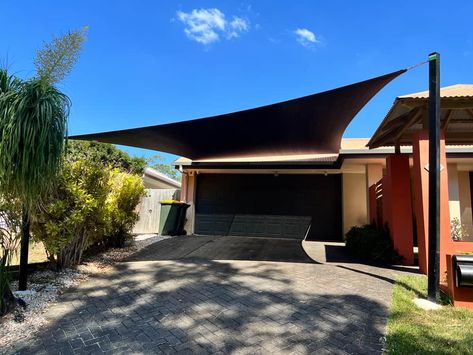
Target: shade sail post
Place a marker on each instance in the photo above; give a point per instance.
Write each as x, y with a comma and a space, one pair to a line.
434, 177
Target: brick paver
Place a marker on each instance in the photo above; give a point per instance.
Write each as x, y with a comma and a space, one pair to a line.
196, 305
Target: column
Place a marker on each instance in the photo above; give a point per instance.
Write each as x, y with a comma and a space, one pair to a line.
397, 189
420, 145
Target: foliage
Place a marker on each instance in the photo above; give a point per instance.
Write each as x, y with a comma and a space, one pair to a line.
73, 213
10, 225
371, 243
56, 59
105, 154
32, 130
412, 330
157, 162
10, 217
458, 230
33, 124
92, 204
125, 194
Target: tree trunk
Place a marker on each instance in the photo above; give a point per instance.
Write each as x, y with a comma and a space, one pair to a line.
7, 300
71, 255
25, 242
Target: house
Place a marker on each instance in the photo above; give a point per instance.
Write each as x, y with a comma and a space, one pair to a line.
284, 171
153, 179
332, 190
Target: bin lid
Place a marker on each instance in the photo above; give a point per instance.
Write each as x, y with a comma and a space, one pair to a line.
171, 202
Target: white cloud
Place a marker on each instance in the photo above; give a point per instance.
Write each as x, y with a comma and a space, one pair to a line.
237, 26
306, 37
206, 26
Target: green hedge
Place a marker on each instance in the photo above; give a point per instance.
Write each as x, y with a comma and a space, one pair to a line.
371, 243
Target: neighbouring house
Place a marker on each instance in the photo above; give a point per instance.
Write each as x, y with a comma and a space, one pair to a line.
153, 179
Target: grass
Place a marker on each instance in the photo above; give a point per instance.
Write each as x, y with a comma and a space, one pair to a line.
414, 331
37, 254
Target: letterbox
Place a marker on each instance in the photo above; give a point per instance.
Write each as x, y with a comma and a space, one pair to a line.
463, 266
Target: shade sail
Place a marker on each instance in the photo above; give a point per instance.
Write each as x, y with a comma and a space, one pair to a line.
312, 124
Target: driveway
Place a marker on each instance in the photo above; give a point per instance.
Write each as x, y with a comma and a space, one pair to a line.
176, 296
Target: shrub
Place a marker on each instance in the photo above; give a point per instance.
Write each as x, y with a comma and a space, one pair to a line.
91, 205
458, 230
120, 207
72, 215
10, 221
371, 243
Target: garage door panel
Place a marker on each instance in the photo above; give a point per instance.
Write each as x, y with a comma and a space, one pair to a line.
269, 226
212, 224
268, 205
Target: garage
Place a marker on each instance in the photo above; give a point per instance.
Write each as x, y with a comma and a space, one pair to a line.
269, 205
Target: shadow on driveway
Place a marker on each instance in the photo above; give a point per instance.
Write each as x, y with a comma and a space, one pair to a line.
220, 295
217, 307
225, 248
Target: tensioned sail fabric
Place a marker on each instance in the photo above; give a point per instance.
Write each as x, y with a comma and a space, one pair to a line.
311, 124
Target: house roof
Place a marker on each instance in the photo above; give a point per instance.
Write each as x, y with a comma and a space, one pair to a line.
350, 147
409, 114
458, 90
156, 175
347, 144
310, 125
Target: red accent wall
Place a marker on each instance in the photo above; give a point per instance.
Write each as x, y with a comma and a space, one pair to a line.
397, 205
420, 143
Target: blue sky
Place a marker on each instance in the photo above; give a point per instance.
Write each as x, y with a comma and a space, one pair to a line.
151, 62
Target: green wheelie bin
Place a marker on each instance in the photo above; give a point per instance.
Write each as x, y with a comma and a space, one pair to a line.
173, 217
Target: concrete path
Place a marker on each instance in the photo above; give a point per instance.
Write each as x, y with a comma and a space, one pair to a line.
196, 304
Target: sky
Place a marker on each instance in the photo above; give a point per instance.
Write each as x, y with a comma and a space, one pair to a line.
152, 62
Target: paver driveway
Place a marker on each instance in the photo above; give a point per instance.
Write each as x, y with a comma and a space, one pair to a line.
193, 304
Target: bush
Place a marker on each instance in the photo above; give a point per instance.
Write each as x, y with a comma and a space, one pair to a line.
120, 215
458, 230
91, 205
72, 215
10, 221
372, 243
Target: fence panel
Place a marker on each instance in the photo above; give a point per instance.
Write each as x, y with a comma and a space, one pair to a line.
149, 209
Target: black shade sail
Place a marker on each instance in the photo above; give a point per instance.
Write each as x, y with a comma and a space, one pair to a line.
312, 124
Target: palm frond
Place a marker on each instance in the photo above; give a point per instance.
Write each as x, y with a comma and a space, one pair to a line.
32, 129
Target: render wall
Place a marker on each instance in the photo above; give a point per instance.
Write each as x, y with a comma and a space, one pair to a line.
465, 203
355, 204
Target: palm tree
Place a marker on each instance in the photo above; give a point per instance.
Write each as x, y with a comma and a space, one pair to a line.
33, 124
32, 132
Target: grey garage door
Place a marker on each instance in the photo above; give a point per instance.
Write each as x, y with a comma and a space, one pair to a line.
282, 206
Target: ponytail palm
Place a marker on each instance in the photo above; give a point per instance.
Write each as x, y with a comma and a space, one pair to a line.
33, 118
32, 130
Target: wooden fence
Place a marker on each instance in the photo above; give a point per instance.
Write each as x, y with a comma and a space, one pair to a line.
149, 209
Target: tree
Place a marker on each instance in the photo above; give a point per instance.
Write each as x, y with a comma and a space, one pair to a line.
33, 124
105, 154
157, 162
